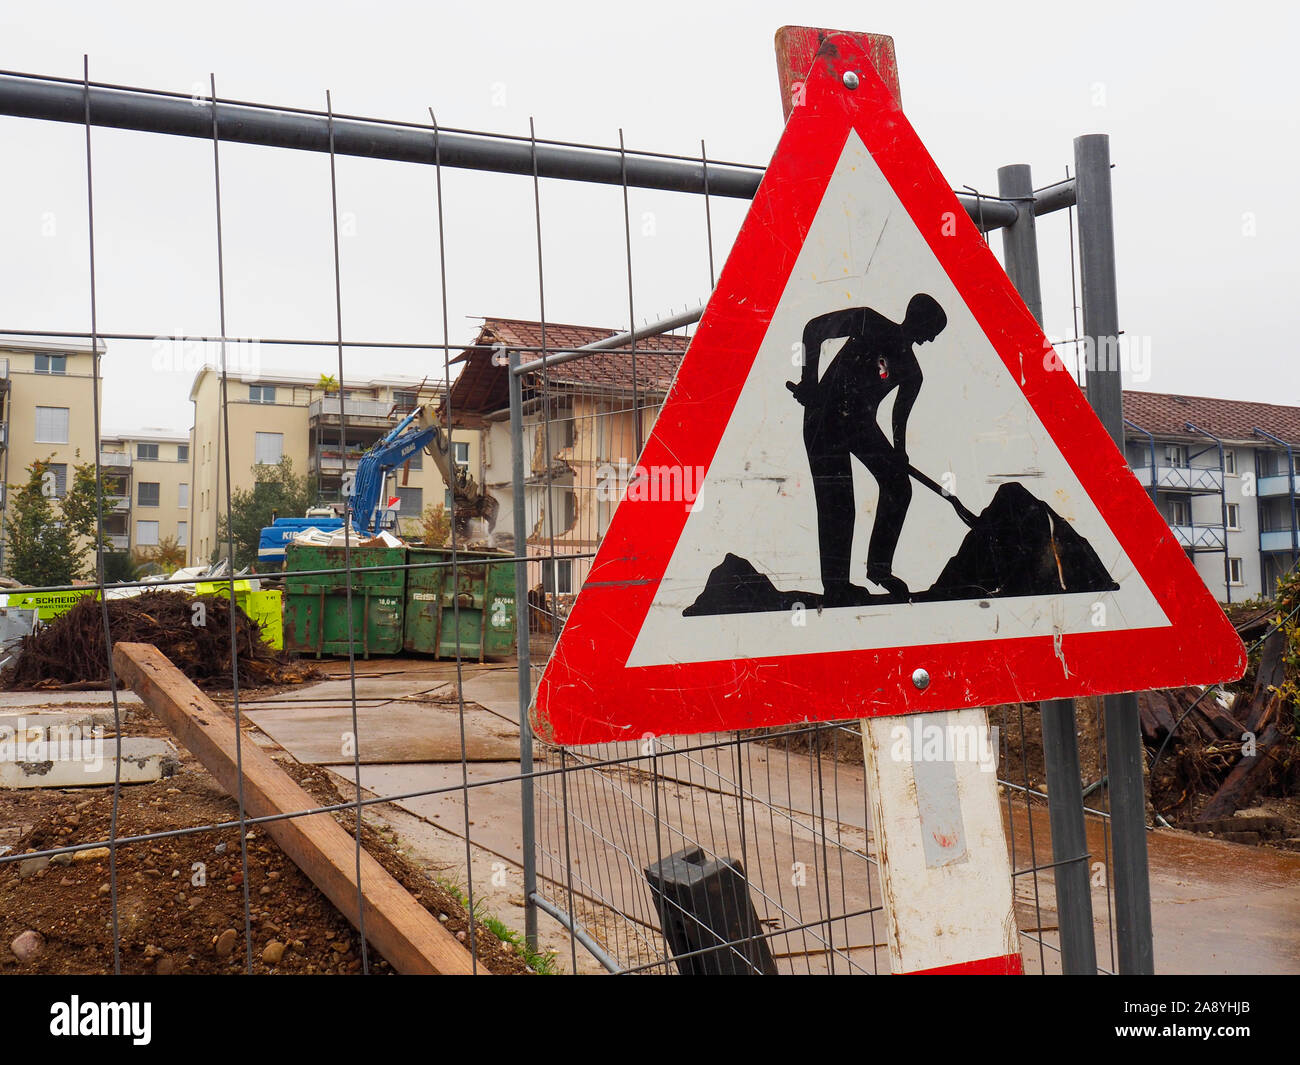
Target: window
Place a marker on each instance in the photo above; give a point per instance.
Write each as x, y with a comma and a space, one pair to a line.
557, 575
460, 452
404, 401
60, 472
51, 364
1179, 512
51, 425
148, 494
261, 393
1230, 461
1234, 515
268, 448
1234, 571
146, 452
183, 533
412, 502
146, 533
1175, 455
182, 452
183, 496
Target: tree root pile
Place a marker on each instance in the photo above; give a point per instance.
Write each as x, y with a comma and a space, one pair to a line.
193, 631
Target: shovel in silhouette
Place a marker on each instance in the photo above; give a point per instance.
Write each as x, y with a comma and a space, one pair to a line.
962, 512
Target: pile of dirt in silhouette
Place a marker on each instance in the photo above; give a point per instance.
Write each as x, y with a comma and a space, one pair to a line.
1017, 546
736, 587
1020, 546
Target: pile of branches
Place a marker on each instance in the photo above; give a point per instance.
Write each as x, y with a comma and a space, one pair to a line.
1214, 759
192, 631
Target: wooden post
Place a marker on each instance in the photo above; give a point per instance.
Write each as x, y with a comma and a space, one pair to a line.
410, 938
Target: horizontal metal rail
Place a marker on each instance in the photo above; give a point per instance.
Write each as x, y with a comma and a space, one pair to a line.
58, 100
663, 325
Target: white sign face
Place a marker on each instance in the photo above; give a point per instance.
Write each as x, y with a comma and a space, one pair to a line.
970, 432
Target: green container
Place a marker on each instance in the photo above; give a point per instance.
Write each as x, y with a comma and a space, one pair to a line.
316, 605
263, 608
475, 608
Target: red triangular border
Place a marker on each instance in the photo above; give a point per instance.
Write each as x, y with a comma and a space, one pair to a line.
588, 694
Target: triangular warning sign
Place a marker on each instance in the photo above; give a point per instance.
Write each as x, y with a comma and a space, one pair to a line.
870, 464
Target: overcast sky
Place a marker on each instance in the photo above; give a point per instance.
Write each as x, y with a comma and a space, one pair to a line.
1199, 101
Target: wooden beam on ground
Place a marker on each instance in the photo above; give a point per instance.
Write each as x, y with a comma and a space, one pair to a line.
404, 932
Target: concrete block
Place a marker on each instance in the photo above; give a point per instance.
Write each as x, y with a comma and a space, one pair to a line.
88, 763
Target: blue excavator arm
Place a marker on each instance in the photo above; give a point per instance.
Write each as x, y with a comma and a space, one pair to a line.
365, 502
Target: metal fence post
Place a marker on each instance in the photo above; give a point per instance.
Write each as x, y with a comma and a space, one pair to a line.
1124, 753
1060, 732
524, 664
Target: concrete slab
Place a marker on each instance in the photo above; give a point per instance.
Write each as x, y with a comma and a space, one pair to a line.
397, 732
397, 686
64, 699
90, 762
38, 721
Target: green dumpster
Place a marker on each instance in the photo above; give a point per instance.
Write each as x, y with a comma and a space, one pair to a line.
475, 609
316, 604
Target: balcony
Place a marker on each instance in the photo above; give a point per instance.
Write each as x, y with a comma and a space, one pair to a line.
327, 461
1199, 537
117, 504
1276, 540
360, 412
1279, 485
1191, 479
115, 460
118, 543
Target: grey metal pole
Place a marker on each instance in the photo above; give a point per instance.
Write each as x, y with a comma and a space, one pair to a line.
524, 664
56, 100
1124, 754
1060, 731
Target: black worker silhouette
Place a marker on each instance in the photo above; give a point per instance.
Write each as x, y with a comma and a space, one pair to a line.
1016, 546
839, 423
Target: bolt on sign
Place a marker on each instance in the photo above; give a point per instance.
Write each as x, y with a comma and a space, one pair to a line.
907, 504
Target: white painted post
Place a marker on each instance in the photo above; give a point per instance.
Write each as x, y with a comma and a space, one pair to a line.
939, 843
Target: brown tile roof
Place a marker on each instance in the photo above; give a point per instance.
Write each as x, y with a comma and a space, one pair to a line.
1166, 414
482, 387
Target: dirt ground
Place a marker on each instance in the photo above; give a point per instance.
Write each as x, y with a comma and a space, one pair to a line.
180, 899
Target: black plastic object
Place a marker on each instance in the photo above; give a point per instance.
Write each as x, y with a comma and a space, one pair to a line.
704, 903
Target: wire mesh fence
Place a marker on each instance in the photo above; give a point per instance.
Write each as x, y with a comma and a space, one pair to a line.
779, 818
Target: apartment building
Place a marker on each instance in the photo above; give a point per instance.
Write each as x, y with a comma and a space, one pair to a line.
277, 414
1223, 473
46, 411
147, 488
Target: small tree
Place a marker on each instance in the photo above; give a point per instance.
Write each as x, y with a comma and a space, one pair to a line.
41, 546
81, 505
277, 492
168, 555
433, 526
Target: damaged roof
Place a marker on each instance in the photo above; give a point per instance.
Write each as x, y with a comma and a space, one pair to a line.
482, 387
